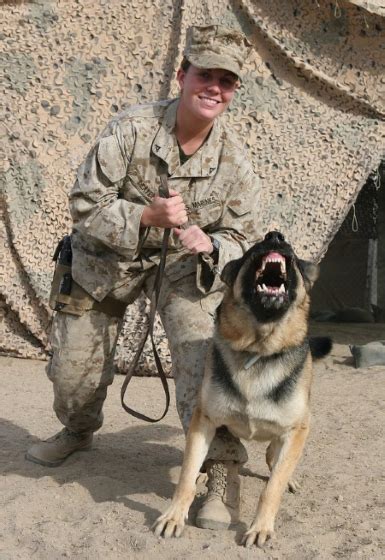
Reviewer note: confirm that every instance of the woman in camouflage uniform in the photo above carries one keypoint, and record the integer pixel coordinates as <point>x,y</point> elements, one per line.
<point>118,224</point>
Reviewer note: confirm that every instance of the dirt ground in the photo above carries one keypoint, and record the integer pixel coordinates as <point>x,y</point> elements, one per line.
<point>101,504</point>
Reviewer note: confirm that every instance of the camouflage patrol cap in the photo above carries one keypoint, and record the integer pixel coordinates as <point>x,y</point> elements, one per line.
<point>214,46</point>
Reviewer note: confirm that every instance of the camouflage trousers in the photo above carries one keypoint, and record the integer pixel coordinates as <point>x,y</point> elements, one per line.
<point>83,347</point>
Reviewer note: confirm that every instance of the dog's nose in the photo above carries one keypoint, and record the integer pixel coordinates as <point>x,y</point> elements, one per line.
<point>275,237</point>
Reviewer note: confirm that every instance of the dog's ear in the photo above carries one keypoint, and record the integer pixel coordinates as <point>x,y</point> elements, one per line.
<point>309,271</point>
<point>230,271</point>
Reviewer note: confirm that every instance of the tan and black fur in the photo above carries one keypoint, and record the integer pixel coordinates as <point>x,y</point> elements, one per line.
<point>257,378</point>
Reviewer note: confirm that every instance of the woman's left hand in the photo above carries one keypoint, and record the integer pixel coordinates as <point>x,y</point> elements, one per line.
<point>195,240</point>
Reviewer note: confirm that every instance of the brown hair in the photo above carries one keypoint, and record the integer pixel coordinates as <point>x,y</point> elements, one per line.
<point>185,64</point>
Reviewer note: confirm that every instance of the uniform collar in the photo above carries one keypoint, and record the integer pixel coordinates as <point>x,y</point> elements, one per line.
<point>203,163</point>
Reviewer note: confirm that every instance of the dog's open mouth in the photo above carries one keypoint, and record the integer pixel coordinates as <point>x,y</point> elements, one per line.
<point>271,279</point>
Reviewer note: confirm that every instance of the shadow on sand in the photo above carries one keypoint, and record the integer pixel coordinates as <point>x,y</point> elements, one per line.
<point>134,461</point>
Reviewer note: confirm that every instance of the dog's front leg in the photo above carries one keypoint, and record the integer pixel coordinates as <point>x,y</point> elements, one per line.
<point>200,434</point>
<point>288,455</point>
<point>272,454</point>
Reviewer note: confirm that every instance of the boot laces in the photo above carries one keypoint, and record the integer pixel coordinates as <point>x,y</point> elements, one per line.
<point>65,433</point>
<point>217,479</point>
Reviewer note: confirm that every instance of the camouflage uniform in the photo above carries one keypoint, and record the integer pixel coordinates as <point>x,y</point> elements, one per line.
<point>120,176</point>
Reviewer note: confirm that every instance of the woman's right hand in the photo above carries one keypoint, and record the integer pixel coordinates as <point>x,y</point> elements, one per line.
<point>165,212</point>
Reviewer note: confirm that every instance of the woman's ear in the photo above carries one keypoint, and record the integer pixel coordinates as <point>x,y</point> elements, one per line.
<point>180,76</point>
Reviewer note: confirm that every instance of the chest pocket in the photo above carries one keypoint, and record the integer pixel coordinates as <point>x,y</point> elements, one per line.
<point>136,189</point>
<point>205,213</point>
<point>143,179</point>
<point>239,206</point>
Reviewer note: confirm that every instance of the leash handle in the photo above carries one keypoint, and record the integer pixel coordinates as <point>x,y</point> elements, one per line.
<point>164,193</point>
<point>163,187</point>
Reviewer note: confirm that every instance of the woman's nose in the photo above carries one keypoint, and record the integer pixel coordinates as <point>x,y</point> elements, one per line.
<point>214,86</point>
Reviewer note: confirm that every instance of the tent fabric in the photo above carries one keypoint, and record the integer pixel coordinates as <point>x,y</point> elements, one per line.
<point>310,110</point>
<point>376,6</point>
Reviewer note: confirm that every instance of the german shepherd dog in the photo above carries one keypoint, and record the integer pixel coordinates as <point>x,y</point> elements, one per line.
<point>257,377</point>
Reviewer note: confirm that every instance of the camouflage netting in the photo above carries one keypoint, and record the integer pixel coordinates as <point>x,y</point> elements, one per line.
<point>311,110</point>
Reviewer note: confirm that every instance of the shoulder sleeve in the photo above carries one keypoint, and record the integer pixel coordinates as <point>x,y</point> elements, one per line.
<point>98,210</point>
<point>111,159</point>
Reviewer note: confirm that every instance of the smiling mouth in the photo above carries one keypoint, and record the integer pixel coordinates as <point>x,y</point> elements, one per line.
<point>271,280</point>
<point>209,100</point>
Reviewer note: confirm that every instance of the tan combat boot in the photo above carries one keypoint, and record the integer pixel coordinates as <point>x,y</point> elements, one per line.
<point>221,506</point>
<point>55,450</point>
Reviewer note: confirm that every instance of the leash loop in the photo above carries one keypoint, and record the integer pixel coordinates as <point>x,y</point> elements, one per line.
<point>164,193</point>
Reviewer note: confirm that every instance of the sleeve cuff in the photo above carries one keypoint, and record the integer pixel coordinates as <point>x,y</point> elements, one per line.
<point>209,280</point>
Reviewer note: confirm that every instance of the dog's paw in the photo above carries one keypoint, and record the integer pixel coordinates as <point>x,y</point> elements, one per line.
<point>170,524</point>
<point>257,535</point>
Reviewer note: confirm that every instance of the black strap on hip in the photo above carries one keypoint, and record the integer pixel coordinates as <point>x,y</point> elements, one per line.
<point>163,192</point>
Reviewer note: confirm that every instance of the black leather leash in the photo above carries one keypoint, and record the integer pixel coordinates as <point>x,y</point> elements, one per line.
<point>163,192</point>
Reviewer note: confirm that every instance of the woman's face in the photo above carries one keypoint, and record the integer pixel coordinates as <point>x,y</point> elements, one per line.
<point>206,93</point>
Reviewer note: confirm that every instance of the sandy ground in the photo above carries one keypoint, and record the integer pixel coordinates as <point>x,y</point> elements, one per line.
<point>101,504</point>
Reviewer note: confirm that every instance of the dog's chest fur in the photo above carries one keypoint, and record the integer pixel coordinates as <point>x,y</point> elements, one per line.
<point>260,401</point>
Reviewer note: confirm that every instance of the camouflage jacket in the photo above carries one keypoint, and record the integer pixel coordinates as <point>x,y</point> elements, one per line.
<point>121,174</point>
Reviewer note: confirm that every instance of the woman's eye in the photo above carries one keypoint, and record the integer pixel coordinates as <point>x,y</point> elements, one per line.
<point>205,75</point>
<point>227,83</point>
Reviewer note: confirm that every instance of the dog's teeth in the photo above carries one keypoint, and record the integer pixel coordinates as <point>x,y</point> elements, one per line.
<point>259,288</point>
<point>282,289</point>
<point>264,288</point>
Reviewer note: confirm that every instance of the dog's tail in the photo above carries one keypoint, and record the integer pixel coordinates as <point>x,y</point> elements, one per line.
<point>320,346</point>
